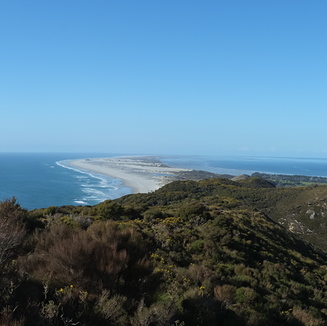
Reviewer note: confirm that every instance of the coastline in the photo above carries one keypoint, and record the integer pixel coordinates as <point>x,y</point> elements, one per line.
<point>142,174</point>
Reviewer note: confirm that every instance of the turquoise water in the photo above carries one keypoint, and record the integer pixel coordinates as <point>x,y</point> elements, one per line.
<point>42,180</point>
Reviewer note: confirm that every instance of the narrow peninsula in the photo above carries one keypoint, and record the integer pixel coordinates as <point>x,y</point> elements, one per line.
<point>142,174</point>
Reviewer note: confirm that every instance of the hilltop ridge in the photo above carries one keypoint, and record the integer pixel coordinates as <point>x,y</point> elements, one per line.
<point>210,252</point>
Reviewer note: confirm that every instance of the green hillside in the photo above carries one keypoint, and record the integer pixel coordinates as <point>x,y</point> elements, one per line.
<point>209,252</point>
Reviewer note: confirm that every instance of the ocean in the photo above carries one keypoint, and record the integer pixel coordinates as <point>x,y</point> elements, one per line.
<point>40,180</point>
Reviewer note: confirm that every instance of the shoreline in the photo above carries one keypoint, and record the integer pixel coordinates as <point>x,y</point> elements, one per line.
<point>143,174</point>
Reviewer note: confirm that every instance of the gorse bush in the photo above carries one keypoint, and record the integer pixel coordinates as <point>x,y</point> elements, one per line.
<point>90,259</point>
<point>191,253</point>
<point>12,230</point>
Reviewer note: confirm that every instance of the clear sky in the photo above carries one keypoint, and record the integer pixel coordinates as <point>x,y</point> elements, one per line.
<point>164,77</point>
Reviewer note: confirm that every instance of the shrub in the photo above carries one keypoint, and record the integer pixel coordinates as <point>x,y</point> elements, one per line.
<point>64,256</point>
<point>191,210</point>
<point>12,230</point>
<point>306,317</point>
<point>245,295</point>
<point>225,293</point>
<point>111,308</point>
<point>109,210</point>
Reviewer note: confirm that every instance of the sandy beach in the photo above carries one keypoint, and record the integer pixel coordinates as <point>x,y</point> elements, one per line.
<point>141,173</point>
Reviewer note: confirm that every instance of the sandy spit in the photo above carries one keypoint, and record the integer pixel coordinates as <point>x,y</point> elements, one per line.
<point>141,173</point>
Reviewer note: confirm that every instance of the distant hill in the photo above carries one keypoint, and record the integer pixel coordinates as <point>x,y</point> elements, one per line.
<point>282,180</point>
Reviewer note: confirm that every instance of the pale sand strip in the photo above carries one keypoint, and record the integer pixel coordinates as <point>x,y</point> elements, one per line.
<point>142,174</point>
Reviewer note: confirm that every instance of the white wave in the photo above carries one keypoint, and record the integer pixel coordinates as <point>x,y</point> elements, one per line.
<point>96,187</point>
<point>81,202</point>
<point>81,177</point>
<point>91,198</point>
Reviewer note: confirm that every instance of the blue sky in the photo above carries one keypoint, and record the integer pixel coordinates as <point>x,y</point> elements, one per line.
<point>164,77</point>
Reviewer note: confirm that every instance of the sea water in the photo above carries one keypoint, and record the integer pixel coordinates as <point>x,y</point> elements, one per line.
<point>42,180</point>
<point>249,165</point>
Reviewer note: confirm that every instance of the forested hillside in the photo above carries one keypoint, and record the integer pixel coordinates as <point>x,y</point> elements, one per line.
<point>212,252</point>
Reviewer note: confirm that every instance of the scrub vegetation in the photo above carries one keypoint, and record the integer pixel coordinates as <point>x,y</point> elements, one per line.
<point>209,252</point>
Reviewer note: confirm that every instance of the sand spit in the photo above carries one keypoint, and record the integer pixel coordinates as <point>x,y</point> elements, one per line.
<point>141,173</point>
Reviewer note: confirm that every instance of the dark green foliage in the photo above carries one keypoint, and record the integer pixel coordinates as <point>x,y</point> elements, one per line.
<point>108,210</point>
<point>256,182</point>
<point>192,253</point>
<point>194,210</point>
